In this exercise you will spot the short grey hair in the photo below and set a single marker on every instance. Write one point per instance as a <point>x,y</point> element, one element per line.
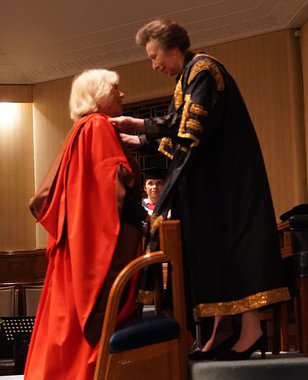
<point>90,89</point>
<point>168,33</point>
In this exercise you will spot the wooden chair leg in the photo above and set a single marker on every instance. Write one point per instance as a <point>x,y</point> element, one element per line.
<point>284,327</point>
<point>298,338</point>
<point>276,328</point>
<point>303,300</point>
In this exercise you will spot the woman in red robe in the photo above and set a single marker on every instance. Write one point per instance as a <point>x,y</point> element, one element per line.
<point>92,207</point>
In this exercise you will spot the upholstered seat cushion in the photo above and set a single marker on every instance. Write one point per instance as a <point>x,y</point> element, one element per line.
<point>143,332</point>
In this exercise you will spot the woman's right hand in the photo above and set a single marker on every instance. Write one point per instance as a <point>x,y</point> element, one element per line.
<point>131,141</point>
<point>127,124</point>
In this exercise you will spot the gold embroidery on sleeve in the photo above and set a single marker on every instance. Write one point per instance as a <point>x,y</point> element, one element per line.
<point>198,109</point>
<point>194,125</point>
<point>188,124</point>
<point>166,146</point>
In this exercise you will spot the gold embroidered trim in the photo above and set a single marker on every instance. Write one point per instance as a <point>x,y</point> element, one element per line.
<point>165,143</point>
<point>190,136</point>
<point>209,56</point>
<point>178,94</point>
<point>198,109</point>
<point>245,304</point>
<point>146,297</point>
<point>155,222</point>
<point>185,116</point>
<point>183,148</point>
<point>206,65</point>
<point>194,124</point>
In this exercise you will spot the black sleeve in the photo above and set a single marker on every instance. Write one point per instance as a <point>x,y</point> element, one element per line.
<point>163,126</point>
<point>148,146</point>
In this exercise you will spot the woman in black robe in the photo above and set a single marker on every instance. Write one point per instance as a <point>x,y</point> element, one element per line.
<point>217,186</point>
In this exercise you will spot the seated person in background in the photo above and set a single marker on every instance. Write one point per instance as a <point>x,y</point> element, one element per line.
<point>153,183</point>
<point>93,216</point>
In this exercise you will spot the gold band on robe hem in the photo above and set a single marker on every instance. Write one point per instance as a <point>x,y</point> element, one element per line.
<point>252,302</point>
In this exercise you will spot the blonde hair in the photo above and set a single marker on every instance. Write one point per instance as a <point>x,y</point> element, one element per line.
<point>90,89</point>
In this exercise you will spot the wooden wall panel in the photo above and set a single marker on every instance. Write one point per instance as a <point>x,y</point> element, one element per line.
<point>16,93</point>
<point>50,124</point>
<point>17,227</point>
<point>304,56</point>
<point>139,82</point>
<point>268,71</point>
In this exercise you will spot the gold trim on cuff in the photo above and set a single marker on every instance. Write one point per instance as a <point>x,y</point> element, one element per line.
<point>188,123</point>
<point>195,125</point>
<point>198,110</point>
<point>190,136</point>
<point>252,302</point>
<point>166,143</point>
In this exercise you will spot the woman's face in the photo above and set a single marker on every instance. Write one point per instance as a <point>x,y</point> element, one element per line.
<point>169,62</point>
<point>115,107</point>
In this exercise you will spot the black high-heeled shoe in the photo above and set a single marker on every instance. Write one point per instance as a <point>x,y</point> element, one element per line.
<point>211,354</point>
<point>259,344</point>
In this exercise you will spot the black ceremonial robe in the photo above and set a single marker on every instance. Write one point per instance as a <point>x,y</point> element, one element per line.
<point>217,186</point>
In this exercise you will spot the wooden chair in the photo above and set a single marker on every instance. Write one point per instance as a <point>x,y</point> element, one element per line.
<point>163,360</point>
<point>288,320</point>
<point>8,308</point>
<point>293,235</point>
<point>31,298</point>
<point>8,301</point>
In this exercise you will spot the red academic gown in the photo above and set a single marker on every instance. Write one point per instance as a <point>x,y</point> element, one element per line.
<point>83,222</point>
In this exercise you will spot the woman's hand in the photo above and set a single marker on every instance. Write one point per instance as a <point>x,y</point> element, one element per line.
<point>127,124</point>
<point>131,141</point>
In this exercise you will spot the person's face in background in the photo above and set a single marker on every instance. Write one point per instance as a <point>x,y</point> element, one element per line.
<point>152,187</point>
<point>169,62</point>
<point>115,107</point>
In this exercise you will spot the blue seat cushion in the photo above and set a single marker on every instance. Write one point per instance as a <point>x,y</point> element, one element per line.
<point>143,332</point>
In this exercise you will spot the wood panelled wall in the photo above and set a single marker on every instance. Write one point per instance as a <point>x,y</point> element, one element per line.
<point>17,229</point>
<point>50,124</point>
<point>269,73</point>
<point>267,69</point>
<point>304,57</point>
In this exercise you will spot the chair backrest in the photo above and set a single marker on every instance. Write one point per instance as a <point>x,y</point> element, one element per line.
<point>171,251</point>
<point>31,298</point>
<point>8,301</point>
